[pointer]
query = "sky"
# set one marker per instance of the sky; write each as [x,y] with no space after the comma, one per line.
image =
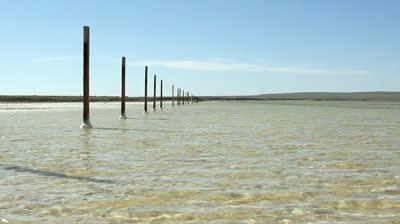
[208,47]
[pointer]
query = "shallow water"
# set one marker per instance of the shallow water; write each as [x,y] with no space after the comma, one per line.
[211,162]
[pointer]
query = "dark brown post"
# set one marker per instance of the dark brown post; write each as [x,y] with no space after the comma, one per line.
[123,115]
[145,89]
[179,96]
[161,90]
[183,97]
[86,116]
[154,89]
[172,98]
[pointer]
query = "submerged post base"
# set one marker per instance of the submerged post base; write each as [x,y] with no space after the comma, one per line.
[87,125]
[123,117]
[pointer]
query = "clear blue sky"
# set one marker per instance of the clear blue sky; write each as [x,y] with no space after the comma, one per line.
[211,47]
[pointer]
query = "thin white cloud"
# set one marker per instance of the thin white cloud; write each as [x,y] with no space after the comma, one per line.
[219,65]
[52,59]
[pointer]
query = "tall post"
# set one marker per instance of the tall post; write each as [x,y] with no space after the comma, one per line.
[161,97]
[86,116]
[154,94]
[172,96]
[123,115]
[145,88]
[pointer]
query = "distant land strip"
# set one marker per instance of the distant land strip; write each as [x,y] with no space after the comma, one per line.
[351,96]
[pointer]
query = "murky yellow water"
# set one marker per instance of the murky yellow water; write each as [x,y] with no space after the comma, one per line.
[212,162]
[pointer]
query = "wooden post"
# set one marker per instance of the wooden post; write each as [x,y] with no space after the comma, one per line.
[145,89]
[123,114]
[183,97]
[172,98]
[154,89]
[177,97]
[161,96]
[86,115]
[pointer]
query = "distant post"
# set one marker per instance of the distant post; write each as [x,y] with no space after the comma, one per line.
[154,89]
[145,89]
[123,115]
[172,98]
[178,96]
[183,97]
[161,90]
[86,116]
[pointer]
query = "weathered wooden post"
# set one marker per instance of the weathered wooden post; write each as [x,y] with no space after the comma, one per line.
[154,94]
[86,116]
[123,114]
[161,96]
[183,97]
[172,96]
[177,97]
[145,89]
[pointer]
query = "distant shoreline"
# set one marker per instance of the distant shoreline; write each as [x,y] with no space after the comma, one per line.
[317,96]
